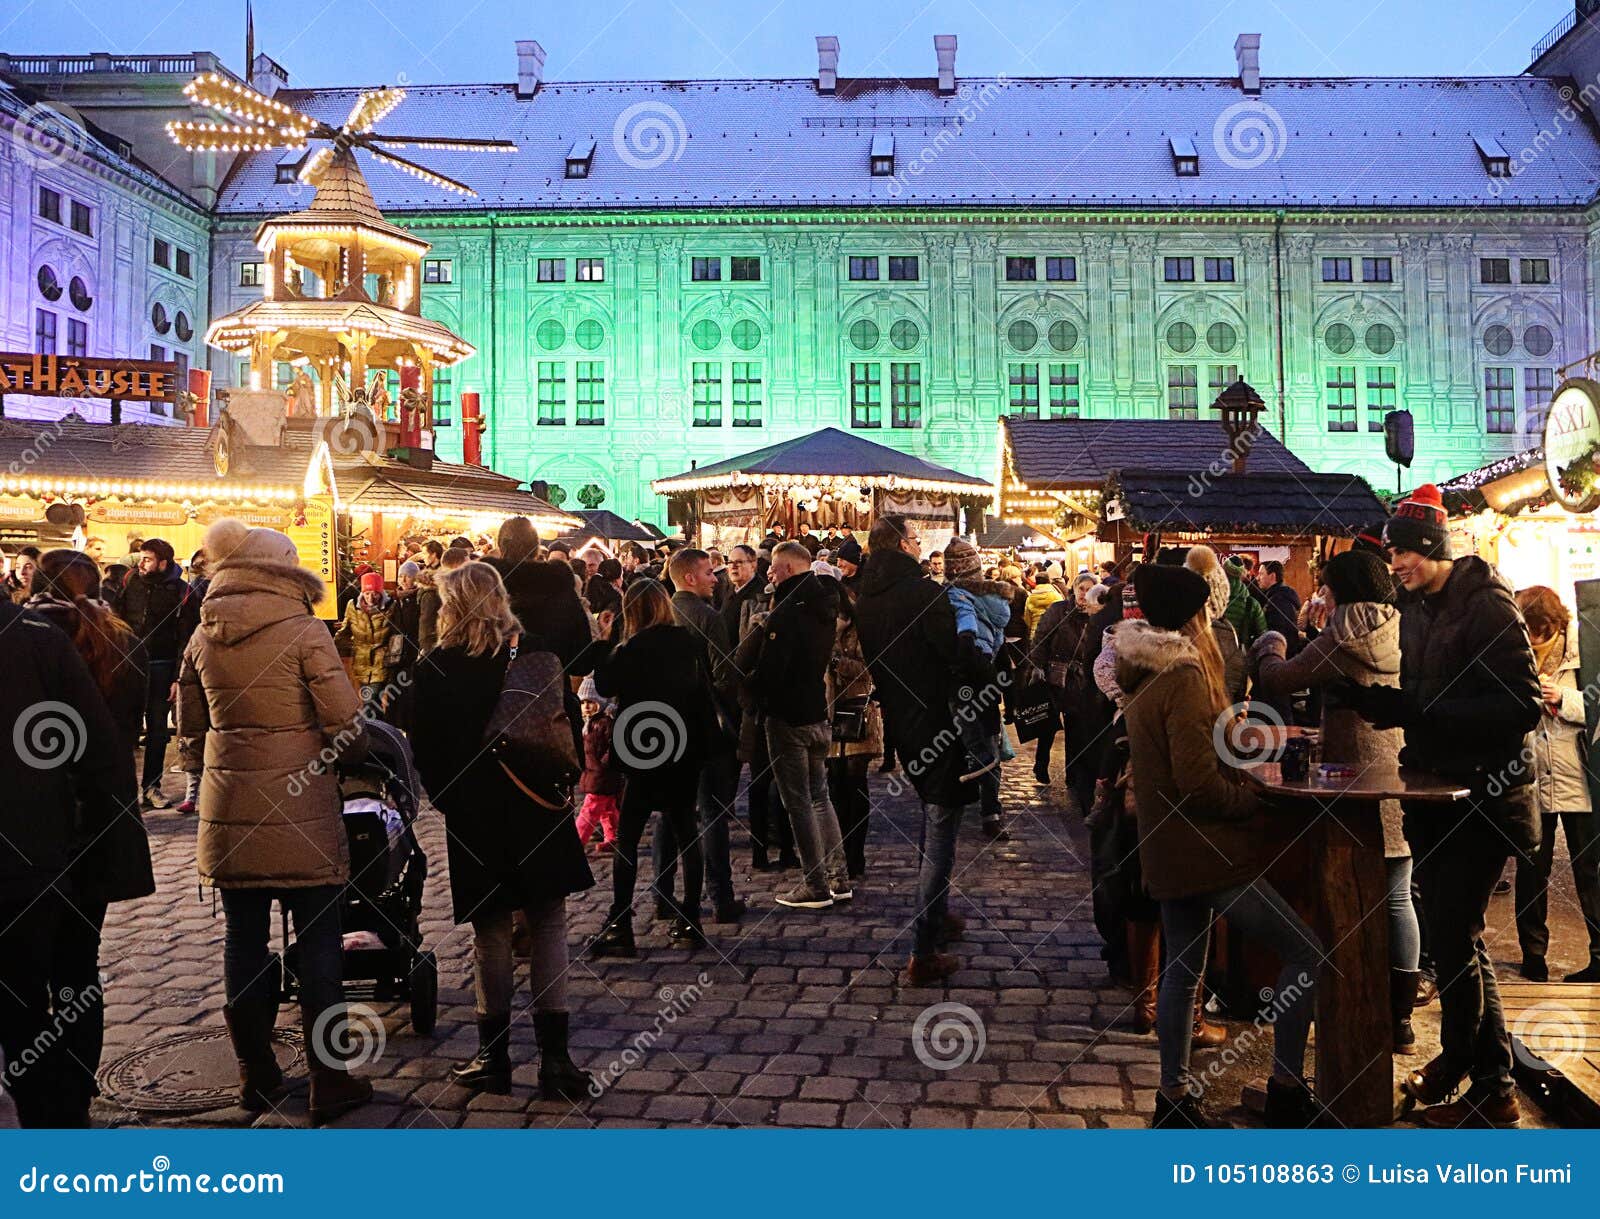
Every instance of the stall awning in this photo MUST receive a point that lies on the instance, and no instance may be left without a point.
(607, 525)
(1258, 503)
(1078, 454)
(823, 455)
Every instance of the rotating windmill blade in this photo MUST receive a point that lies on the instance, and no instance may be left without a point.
(262, 122)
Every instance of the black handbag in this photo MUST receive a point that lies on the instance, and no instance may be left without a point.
(1034, 711)
(850, 719)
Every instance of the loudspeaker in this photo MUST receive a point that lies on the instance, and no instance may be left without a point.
(65, 514)
(1399, 438)
(678, 512)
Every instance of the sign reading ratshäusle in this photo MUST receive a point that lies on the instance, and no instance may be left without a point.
(57, 376)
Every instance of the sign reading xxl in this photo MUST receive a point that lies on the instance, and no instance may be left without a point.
(1571, 433)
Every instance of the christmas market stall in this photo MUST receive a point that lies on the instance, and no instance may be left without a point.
(603, 532)
(827, 479)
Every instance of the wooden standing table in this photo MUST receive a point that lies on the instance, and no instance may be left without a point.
(1355, 1039)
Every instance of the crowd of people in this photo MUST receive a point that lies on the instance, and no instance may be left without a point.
(675, 679)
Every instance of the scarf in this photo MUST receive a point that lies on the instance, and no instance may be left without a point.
(1549, 654)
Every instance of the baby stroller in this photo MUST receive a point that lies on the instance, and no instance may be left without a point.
(380, 907)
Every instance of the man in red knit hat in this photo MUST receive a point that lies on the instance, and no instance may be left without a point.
(1467, 699)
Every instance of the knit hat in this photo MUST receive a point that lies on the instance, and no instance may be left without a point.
(1130, 600)
(410, 570)
(230, 541)
(372, 582)
(1371, 538)
(1358, 575)
(1419, 524)
(1203, 561)
(849, 552)
(1170, 596)
(587, 691)
(1052, 571)
(961, 561)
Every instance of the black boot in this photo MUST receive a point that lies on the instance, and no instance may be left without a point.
(1181, 1114)
(559, 1076)
(614, 940)
(1402, 1001)
(250, 1019)
(490, 1070)
(1294, 1107)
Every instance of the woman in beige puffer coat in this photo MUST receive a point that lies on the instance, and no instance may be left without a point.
(265, 706)
(1360, 644)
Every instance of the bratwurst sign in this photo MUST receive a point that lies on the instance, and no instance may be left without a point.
(53, 376)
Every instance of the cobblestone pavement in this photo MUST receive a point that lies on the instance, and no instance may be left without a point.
(794, 1018)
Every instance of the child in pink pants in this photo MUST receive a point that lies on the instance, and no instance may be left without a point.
(601, 783)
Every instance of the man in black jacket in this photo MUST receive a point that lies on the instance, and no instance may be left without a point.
(163, 611)
(1281, 604)
(908, 637)
(789, 684)
(1468, 697)
(66, 779)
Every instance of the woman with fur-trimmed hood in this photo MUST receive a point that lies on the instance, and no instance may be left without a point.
(265, 706)
(1201, 846)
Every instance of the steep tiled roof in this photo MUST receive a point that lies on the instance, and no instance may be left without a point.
(1060, 454)
(1256, 502)
(1026, 142)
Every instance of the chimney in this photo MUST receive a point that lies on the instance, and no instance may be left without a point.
(827, 63)
(944, 47)
(530, 67)
(1247, 50)
(267, 75)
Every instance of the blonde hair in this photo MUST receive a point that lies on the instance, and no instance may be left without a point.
(1199, 633)
(474, 610)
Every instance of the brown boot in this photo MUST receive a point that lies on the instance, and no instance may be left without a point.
(1479, 1109)
(1206, 1036)
(1144, 963)
(250, 1023)
(929, 970)
(334, 1091)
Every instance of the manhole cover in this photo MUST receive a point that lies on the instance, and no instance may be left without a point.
(189, 1073)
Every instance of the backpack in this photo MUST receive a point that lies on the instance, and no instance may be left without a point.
(529, 732)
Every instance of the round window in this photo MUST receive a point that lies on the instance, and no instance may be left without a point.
(864, 335)
(904, 334)
(1538, 340)
(746, 335)
(706, 335)
(158, 318)
(79, 292)
(182, 328)
(1063, 336)
(1022, 335)
(1340, 338)
(1497, 340)
(49, 285)
(588, 334)
(1380, 339)
(1180, 337)
(1221, 338)
(551, 334)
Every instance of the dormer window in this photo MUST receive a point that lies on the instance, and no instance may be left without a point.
(1185, 157)
(1495, 158)
(883, 155)
(580, 158)
(286, 173)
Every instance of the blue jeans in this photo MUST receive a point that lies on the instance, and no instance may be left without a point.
(719, 787)
(1405, 937)
(315, 912)
(1257, 910)
(157, 702)
(937, 851)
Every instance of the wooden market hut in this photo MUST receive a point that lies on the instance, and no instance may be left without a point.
(603, 530)
(826, 479)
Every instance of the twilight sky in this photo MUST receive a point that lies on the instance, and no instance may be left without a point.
(326, 42)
